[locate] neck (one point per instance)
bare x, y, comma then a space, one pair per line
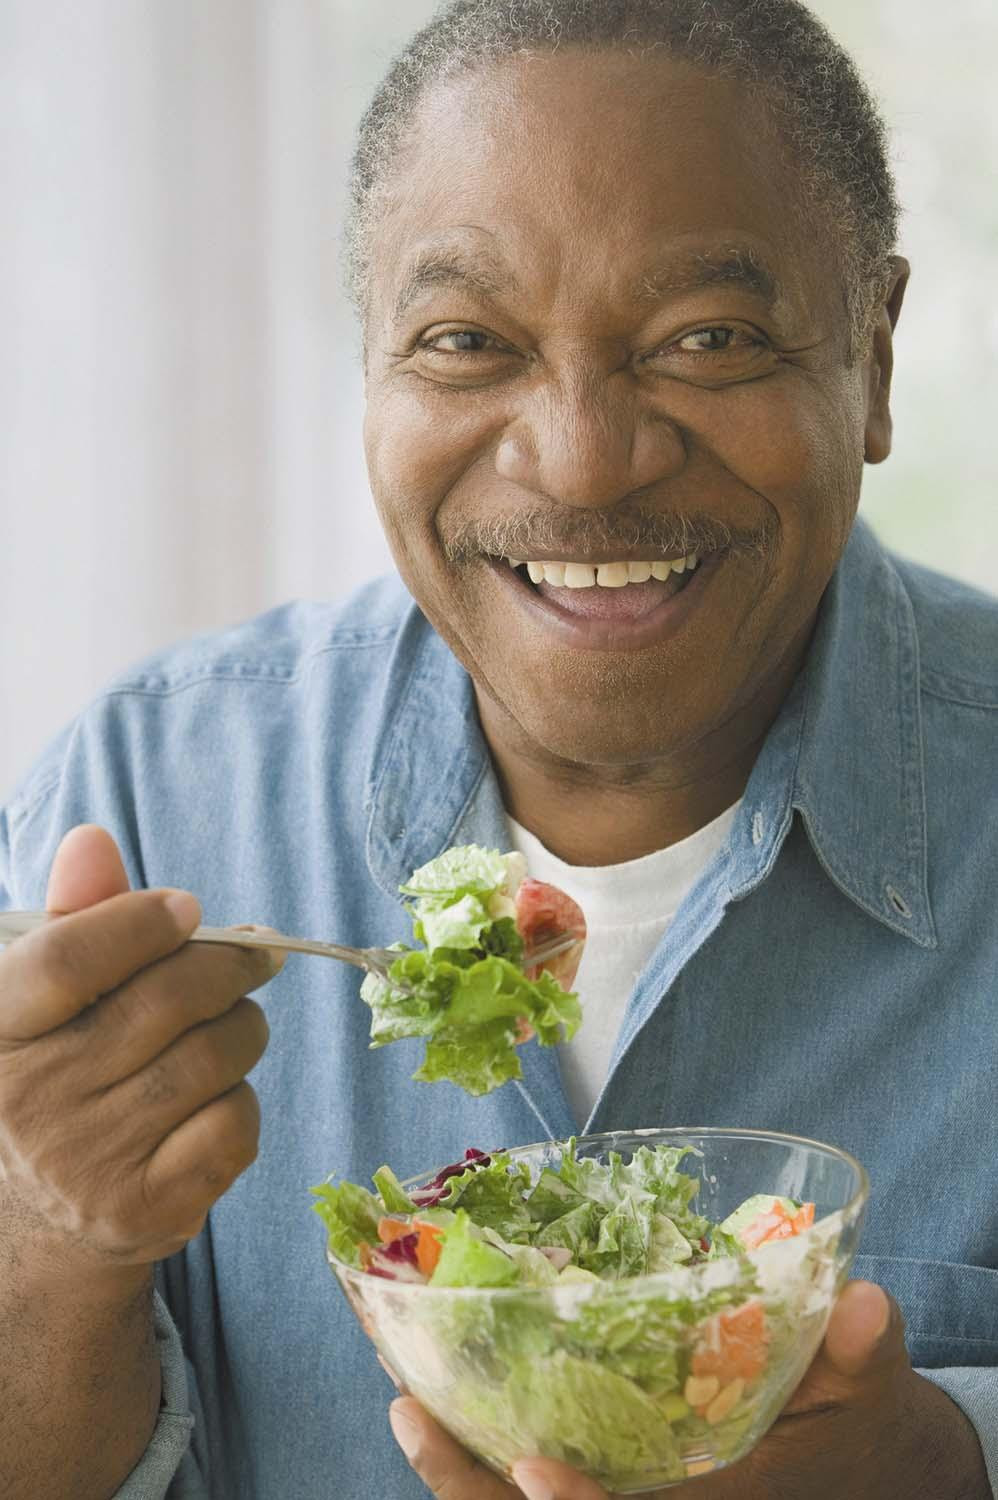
609, 814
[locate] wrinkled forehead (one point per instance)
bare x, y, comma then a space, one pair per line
582, 175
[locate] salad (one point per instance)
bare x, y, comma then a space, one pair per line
616, 1379
466, 991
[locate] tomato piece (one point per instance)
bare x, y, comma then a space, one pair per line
734, 1345
543, 913
776, 1224
428, 1247
390, 1230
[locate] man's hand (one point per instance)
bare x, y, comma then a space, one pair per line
124, 1110
860, 1426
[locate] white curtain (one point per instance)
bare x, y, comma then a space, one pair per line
180, 394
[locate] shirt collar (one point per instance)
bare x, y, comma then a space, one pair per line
845, 752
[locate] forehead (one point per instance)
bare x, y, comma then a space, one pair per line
575, 172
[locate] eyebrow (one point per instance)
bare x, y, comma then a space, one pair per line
735, 265
442, 267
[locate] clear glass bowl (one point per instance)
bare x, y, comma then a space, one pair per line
599, 1374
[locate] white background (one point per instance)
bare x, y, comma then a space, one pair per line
179, 383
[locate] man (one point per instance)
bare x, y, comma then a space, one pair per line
628, 285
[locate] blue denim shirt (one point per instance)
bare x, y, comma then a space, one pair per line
834, 973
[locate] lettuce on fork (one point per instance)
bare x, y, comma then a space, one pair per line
466, 991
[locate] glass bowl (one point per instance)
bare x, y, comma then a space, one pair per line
643, 1382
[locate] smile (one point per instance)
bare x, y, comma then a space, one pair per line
617, 605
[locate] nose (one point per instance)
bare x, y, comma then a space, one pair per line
589, 440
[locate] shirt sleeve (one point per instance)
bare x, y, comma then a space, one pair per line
168, 1470
975, 1392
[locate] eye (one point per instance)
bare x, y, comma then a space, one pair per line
719, 340
460, 341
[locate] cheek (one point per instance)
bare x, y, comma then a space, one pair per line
799, 442
419, 446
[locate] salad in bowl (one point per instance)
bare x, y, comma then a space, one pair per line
639, 1305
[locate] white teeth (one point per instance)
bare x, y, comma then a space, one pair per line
612, 575
515, 562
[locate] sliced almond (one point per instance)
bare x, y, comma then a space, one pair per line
700, 1390
724, 1403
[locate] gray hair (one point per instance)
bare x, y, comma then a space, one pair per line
807, 84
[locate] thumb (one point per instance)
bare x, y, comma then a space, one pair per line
864, 1339
863, 1331
87, 868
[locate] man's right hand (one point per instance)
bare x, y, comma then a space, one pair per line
124, 1110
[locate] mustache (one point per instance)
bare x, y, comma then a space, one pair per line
566, 531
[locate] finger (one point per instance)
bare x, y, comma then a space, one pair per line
864, 1330
158, 1005
442, 1464
204, 1063
202, 1157
87, 868
544, 1479
57, 971
864, 1342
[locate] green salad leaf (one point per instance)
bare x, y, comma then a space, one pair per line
466, 1259
463, 870
605, 1424
350, 1214
493, 1195
466, 991
391, 1192
470, 1009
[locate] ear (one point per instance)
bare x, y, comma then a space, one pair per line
880, 366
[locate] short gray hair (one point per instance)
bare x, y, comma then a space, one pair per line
807, 83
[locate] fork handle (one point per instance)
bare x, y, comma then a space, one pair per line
14, 924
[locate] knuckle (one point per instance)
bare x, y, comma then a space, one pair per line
158, 1085
59, 961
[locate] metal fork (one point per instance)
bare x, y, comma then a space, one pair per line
14, 924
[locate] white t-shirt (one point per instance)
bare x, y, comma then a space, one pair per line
627, 908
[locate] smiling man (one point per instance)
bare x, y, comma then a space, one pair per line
627, 278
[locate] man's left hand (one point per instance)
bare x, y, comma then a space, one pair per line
860, 1426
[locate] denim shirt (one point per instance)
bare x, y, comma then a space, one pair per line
834, 973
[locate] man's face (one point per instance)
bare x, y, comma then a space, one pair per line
598, 335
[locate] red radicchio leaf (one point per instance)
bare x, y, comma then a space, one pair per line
433, 1192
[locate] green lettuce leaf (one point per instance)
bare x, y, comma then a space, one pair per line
470, 1009
468, 1260
478, 1065
576, 1231
391, 1192
467, 869
458, 924
578, 1411
350, 1214
550, 1197
493, 1196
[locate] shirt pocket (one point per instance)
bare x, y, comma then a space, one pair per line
950, 1310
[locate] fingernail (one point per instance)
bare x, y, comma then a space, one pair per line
407, 1434
185, 910
533, 1485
